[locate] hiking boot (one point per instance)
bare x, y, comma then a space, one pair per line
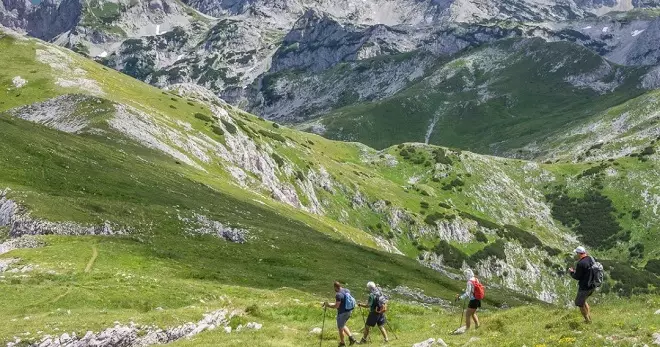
362, 341
352, 341
341, 344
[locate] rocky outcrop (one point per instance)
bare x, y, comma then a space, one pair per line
20, 223
46, 20
202, 225
19, 243
133, 335
61, 113
430, 343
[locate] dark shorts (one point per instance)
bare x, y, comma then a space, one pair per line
582, 296
375, 318
474, 304
342, 318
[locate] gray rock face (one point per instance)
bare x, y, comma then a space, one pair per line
646, 50
45, 21
20, 223
134, 335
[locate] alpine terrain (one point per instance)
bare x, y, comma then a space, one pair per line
200, 173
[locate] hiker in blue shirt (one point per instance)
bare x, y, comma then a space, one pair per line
344, 303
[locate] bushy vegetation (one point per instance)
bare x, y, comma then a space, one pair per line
203, 117
433, 218
441, 157
653, 266
451, 255
231, 128
481, 221
592, 216
217, 130
272, 135
630, 280
495, 249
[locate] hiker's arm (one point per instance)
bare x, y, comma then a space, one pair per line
468, 291
383, 309
335, 305
577, 274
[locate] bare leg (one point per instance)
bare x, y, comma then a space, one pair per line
586, 312
468, 315
341, 336
347, 332
366, 333
476, 319
382, 331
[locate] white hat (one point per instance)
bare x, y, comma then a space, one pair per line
371, 285
580, 250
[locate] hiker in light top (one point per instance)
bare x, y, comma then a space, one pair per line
377, 306
344, 303
581, 274
475, 301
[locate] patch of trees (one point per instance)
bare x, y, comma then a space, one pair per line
630, 280
592, 216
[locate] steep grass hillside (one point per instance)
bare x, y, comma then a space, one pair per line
173, 200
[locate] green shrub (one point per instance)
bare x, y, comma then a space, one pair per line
441, 157
300, 176
648, 151
424, 204
653, 266
481, 237
593, 171
495, 249
635, 214
231, 128
272, 135
483, 222
451, 255
278, 159
217, 130
276, 126
203, 117
525, 238
436, 216
445, 205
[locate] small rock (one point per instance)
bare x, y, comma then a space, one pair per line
471, 341
440, 342
254, 325
18, 81
159, 308
656, 339
315, 331
427, 343
228, 330
657, 312
460, 330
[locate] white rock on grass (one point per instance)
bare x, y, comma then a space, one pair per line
19, 82
656, 339
657, 312
228, 330
427, 343
316, 331
254, 325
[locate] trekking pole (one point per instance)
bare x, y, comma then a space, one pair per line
462, 313
323, 325
365, 324
392, 330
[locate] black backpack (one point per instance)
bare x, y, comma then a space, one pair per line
596, 274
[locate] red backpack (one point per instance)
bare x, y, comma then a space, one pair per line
479, 289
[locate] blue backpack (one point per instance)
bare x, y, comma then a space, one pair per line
349, 301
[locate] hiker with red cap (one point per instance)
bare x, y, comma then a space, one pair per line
475, 292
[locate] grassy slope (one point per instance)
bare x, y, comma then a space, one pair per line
491, 99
